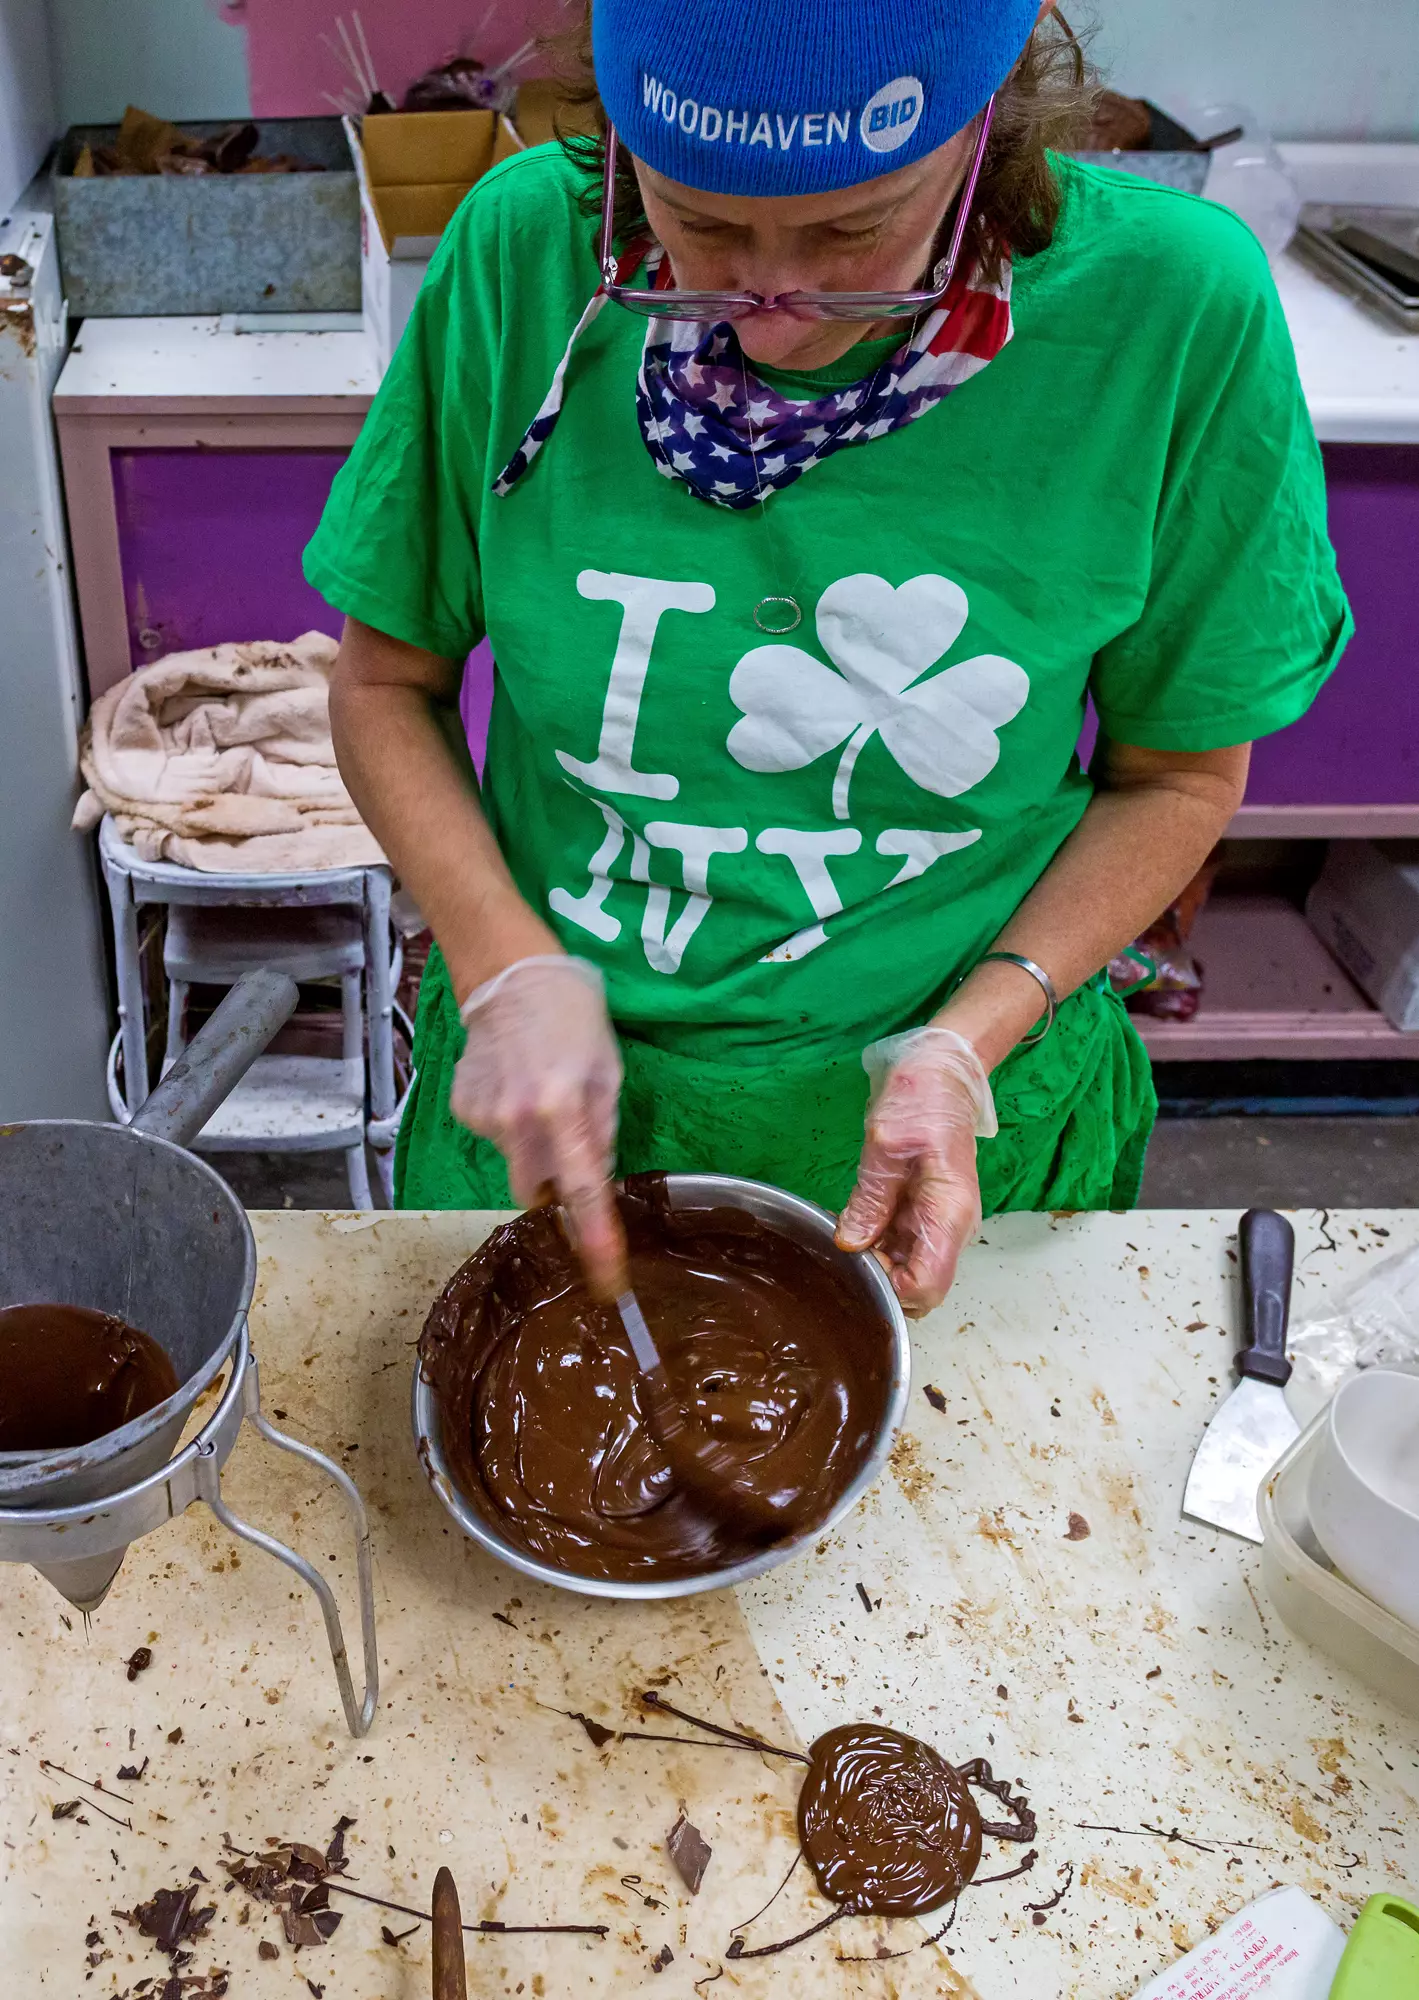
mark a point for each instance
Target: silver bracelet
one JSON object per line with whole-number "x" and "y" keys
{"x": 1045, "y": 984}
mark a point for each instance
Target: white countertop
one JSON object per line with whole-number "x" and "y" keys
{"x": 1361, "y": 376}
{"x": 1035, "y": 1598}
{"x": 179, "y": 360}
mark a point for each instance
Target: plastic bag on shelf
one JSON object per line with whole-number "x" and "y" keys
{"x": 1372, "y": 1323}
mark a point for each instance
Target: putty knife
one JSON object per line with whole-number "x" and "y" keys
{"x": 1255, "y": 1425}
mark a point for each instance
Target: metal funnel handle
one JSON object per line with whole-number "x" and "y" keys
{"x": 217, "y": 1058}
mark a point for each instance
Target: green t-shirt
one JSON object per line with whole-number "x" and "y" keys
{"x": 771, "y": 844}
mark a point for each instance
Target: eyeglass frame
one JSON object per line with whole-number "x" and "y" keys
{"x": 714, "y": 306}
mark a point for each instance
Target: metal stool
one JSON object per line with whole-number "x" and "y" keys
{"x": 334, "y": 924}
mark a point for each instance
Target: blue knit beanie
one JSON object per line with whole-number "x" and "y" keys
{"x": 763, "y": 97}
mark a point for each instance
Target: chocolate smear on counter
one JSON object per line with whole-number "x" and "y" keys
{"x": 137, "y": 1662}
{"x": 888, "y": 1826}
{"x": 69, "y": 1375}
{"x": 690, "y": 1852}
{"x": 769, "y": 1350}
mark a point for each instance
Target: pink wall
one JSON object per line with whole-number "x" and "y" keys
{"x": 291, "y": 67}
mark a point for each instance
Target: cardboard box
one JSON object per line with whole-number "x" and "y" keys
{"x": 1365, "y": 909}
{"x": 540, "y": 109}
{"x": 414, "y": 169}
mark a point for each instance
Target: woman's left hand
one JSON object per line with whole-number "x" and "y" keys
{"x": 917, "y": 1199}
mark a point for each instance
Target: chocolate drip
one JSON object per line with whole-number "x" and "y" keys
{"x": 889, "y": 1827}
{"x": 69, "y": 1374}
{"x": 768, "y": 1349}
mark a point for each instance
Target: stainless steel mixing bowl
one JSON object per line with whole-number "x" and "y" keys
{"x": 807, "y": 1224}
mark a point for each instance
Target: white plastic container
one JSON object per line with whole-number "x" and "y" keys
{"x": 1317, "y": 1603}
{"x": 1365, "y": 909}
{"x": 1363, "y": 1490}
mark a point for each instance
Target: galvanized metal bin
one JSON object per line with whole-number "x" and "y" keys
{"x": 152, "y": 243}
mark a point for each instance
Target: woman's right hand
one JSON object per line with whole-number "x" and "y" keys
{"x": 540, "y": 1075}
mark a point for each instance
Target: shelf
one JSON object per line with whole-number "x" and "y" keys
{"x": 1325, "y": 823}
{"x": 1271, "y": 990}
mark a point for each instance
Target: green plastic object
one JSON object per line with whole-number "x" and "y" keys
{"x": 1381, "y": 1960}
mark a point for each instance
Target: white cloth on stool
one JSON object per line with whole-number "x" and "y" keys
{"x": 222, "y": 760}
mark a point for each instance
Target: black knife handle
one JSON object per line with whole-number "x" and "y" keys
{"x": 1268, "y": 1245}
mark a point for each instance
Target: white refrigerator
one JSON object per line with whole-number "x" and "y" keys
{"x": 53, "y": 984}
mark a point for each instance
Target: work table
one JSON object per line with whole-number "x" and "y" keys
{"x": 1020, "y": 1587}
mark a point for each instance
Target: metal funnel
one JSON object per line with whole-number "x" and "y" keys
{"x": 122, "y": 1219}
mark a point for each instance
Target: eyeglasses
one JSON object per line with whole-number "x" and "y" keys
{"x": 711, "y": 306}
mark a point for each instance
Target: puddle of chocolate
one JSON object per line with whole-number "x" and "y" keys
{"x": 69, "y": 1374}
{"x": 887, "y": 1824}
{"x": 768, "y": 1347}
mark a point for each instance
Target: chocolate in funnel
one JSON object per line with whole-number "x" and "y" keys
{"x": 69, "y": 1375}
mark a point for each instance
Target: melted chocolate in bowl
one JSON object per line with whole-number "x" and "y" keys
{"x": 889, "y": 1827}
{"x": 767, "y": 1346}
{"x": 69, "y": 1374}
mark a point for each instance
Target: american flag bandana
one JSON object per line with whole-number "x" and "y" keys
{"x": 708, "y": 420}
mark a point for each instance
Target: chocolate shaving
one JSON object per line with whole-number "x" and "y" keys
{"x": 268, "y": 1950}
{"x": 175, "y": 1735}
{"x": 709, "y": 1979}
{"x": 738, "y": 1737}
{"x": 598, "y": 1732}
{"x": 335, "y": 1860}
{"x": 487, "y": 1927}
{"x": 318, "y": 1991}
{"x": 169, "y": 1918}
{"x": 396, "y": 1937}
{"x": 690, "y": 1852}
{"x": 934, "y": 1396}
{"x": 1053, "y": 1902}
{"x": 138, "y": 1661}
{"x": 861, "y": 1589}
{"x": 1024, "y": 1826}
{"x": 665, "y": 1956}
{"x": 67, "y": 1810}
{"x": 129, "y": 1774}
{"x": 738, "y": 1949}
{"x": 1010, "y": 1873}
{"x": 503, "y": 1619}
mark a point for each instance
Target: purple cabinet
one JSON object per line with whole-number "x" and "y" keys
{"x": 210, "y": 544}
{"x": 1359, "y": 744}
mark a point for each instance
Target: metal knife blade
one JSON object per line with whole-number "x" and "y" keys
{"x": 1255, "y": 1425}
{"x": 638, "y": 1333}
{"x": 1239, "y": 1447}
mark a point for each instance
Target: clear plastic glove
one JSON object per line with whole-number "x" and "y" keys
{"x": 917, "y": 1199}
{"x": 540, "y": 1075}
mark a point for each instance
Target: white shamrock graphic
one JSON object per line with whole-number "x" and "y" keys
{"x": 942, "y": 731}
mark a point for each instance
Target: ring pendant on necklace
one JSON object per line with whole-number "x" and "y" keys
{"x": 791, "y": 612}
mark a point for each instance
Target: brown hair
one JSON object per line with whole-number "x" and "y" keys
{"x": 1045, "y": 104}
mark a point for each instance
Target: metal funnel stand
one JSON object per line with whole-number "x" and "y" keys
{"x": 121, "y": 1218}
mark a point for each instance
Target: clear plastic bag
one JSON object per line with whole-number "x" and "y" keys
{"x": 1372, "y": 1323}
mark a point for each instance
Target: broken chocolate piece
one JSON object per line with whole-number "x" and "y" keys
{"x": 934, "y": 1396}
{"x": 1078, "y": 1529}
{"x": 268, "y": 1950}
{"x": 137, "y": 1661}
{"x": 67, "y": 1810}
{"x": 690, "y": 1852}
{"x": 335, "y": 1861}
{"x": 169, "y": 1918}
{"x": 665, "y": 1956}
{"x": 131, "y": 1773}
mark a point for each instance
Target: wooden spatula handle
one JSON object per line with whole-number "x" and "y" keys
{"x": 450, "y": 1973}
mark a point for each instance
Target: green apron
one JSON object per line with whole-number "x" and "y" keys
{"x": 1075, "y": 1113}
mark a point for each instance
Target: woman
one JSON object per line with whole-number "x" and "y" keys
{"x": 795, "y": 603}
